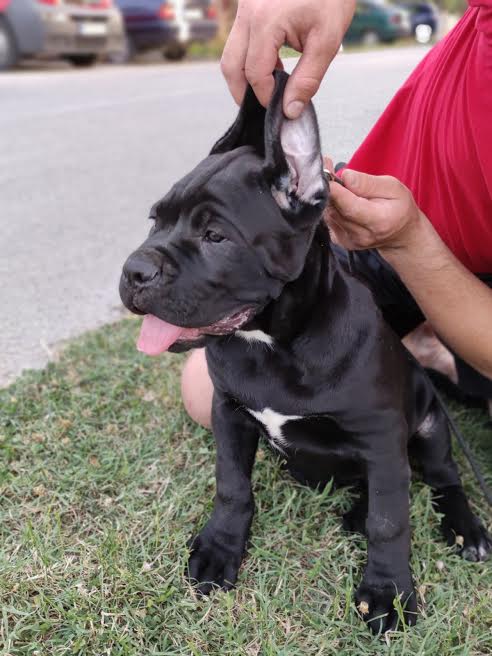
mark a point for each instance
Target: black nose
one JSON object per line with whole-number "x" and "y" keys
{"x": 140, "y": 269}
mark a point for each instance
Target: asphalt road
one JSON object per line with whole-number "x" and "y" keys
{"x": 83, "y": 154}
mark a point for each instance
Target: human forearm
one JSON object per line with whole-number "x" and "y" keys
{"x": 457, "y": 304}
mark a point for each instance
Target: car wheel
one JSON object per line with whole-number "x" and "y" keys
{"x": 8, "y": 48}
{"x": 81, "y": 60}
{"x": 174, "y": 53}
{"x": 370, "y": 38}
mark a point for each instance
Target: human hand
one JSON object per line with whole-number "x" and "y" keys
{"x": 313, "y": 27}
{"x": 372, "y": 212}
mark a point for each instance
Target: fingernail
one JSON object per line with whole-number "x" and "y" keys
{"x": 294, "y": 109}
{"x": 350, "y": 178}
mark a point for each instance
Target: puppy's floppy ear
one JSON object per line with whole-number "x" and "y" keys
{"x": 293, "y": 161}
{"x": 247, "y": 130}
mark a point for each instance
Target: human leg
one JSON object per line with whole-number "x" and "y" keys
{"x": 197, "y": 389}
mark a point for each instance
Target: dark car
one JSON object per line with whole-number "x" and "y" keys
{"x": 424, "y": 18}
{"x": 166, "y": 26}
{"x": 77, "y": 30}
{"x": 375, "y": 21}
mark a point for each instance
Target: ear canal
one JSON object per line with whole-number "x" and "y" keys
{"x": 247, "y": 130}
{"x": 293, "y": 161}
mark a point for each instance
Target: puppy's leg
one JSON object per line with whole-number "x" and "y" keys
{"x": 432, "y": 447}
{"x": 387, "y": 574}
{"x": 355, "y": 519}
{"x": 217, "y": 552}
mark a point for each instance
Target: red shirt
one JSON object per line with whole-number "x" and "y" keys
{"x": 436, "y": 137}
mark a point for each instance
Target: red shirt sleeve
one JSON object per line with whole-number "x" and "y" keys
{"x": 484, "y": 18}
{"x": 436, "y": 137}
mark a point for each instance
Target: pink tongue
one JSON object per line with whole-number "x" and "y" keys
{"x": 156, "y": 336}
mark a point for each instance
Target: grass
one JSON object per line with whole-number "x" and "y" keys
{"x": 102, "y": 481}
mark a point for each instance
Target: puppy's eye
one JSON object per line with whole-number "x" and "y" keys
{"x": 213, "y": 236}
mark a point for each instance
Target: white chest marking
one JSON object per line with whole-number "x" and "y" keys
{"x": 273, "y": 423}
{"x": 255, "y": 336}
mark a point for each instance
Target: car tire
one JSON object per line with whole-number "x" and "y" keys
{"x": 9, "y": 54}
{"x": 370, "y": 38}
{"x": 174, "y": 53}
{"x": 81, "y": 61}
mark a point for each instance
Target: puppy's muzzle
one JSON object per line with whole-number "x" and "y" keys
{"x": 145, "y": 274}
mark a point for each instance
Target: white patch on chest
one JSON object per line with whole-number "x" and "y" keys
{"x": 255, "y": 336}
{"x": 273, "y": 423}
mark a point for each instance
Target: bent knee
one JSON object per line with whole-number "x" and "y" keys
{"x": 197, "y": 389}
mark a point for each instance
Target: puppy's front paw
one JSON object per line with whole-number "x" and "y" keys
{"x": 377, "y": 605}
{"x": 475, "y": 544}
{"x": 460, "y": 526}
{"x": 214, "y": 561}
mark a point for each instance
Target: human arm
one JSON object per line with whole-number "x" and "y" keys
{"x": 314, "y": 27}
{"x": 380, "y": 212}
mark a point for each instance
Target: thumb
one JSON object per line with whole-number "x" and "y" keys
{"x": 370, "y": 186}
{"x": 306, "y": 77}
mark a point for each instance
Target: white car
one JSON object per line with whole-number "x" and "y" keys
{"x": 77, "y": 30}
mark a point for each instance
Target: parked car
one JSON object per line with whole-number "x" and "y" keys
{"x": 167, "y": 26}
{"x": 375, "y": 21}
{"x": 424, "y": 19}
{"x": 77, "y": 30}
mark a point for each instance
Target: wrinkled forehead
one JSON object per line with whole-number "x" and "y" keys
{"x": 218, "y": 174}
{"x": 233, "y": 184}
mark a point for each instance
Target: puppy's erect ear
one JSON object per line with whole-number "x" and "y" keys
{"x": 293, "y": 162}
{"x": 291, "y": 148}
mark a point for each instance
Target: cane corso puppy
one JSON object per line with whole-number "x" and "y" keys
{"x": 239, "y": 260}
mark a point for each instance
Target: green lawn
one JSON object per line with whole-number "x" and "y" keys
{"x": 103, "y": 479}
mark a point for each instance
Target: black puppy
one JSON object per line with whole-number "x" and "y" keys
{"x": 239, "y": 260}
